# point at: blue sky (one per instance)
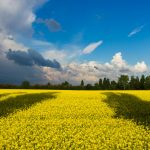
(82, 33)
(94, 20)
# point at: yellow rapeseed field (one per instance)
(53, 119)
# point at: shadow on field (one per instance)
(128, 106)
(20, 102)
(3, 95)
(7, 94)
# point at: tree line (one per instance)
(124, 82)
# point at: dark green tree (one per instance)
(113, 85)
(25, 84)
(137, 84)
(147, 83)
(65, 84)
(100, 84)
(82, 83)
(48, 85)
(96, 86)
(132, 83)
(142, 82)
(89, 87)
(123, 82)
(106, 84)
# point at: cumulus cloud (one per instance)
(17, 16)
(8, 42)
(118, 61)
(135, 31)
(16, 19)
(141, 67)
(33, 67)
(61, 55)
(31, 58)
(91, 47)
(92, 70)
(51, 24)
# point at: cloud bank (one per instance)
(17, 16)
(16, 19)
(30, 65)
(91, 71)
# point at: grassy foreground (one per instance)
(40, 119)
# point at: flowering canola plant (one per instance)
(69, 120)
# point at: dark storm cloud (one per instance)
(30, 58)
(11, 73)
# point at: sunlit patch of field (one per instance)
(53, 119)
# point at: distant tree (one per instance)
(25, 84)
(100, 83)
(123, 82)
(96, 86)
(142, 82)
(113, 85)
(48, 85)
(36, 86)
(88, 86)
(82, 83)
(137, 85)
(147, 83)
(132, 83)
(106, 84)
(65, 84)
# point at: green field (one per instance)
(51, 119)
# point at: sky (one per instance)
(53, 41)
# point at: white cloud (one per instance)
(73, 72)
(91, 71)
(118, 61)
(135, 31)
(141, 67)
(55, 54)
(64, 54)
(10, 43)
(17, 16)
(91, 47)
(41, 43)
